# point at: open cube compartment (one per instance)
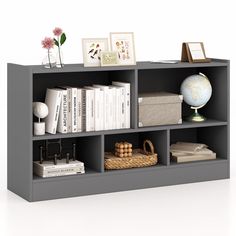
(158, 138)
(169, 80)
(74, 79)
(214, 137)
(91, 157)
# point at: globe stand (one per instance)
(196, 117)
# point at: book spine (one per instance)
(84, 110)
(96, 109)
(118, 108)
(74, 109)
(53, 101)
(106, 113)
(56, 167)
(101, 109)
(122, 104)
(62, 120)
(92, 110)
(88, 111)
(62, 170)
(110, 108)
(79, 110)
(127, 106)
(69, 120)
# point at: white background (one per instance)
(160, 27)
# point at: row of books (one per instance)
(91, 108)
(187, 152)
(48, 169)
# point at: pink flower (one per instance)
(47, 43)
(57, 31)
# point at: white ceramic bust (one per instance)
(40, 110)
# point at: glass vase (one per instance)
(59, 58)
(49, 61)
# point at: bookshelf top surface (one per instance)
(142, 65)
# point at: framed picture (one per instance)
(194, 52)
(92, 48)
(109, 58)
(123, 43)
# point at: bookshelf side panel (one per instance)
(19, 143)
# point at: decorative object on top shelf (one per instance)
(123, 149)
(139, 158)
(59, 41)
(124, 44)
(194, 52)
(92, 48)
(196, 91)
(40, 110)
(49, 61)
(109, 58)
(160, 108)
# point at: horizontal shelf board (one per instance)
(205, 162)
(83, 134)
(142, 65)
(124, 171)
(91, 173)
(78, 68)
(184, 125)
(153, 65)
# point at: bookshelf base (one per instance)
(74, 186)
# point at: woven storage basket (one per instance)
(140, 158)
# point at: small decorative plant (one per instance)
(59, 41)
(48, 43)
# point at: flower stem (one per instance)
(59, 51)
(49, 61)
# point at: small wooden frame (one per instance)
(193, 52)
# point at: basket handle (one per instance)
(150, 146)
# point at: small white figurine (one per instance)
(40, 110)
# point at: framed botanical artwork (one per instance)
(92, 48)
(123, 43)
(109, 58)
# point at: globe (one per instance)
(196, 91)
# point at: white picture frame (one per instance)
(123, 43)
(109, 58)
(92, 48)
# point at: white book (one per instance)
(112, 109)
(63, 114)
(59, 171)
(117, 107)
(88, 109)
(74, 109)
(97, 107)
(79, 109)
(106, 107)
(61, 164)
(59, 174)
(127, 101)
(53, 101)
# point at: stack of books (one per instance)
(91, 108)
(187, 152)
(49, 169)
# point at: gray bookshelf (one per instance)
(28, 83)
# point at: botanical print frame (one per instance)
(92, 48)
(123, 43)
(109, 58)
